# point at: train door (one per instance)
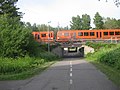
(98, 34)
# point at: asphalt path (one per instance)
(69, 74)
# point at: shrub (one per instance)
(16, 40)
(48, 56)
(99, 45)
(10, 65)
(111, 58)
(108, 54)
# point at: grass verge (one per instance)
(28, 73)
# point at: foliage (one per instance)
(15, 39)
(98, 21)
(34, 27)
(86, 22)
(111, 58)
(108, 54)
(107, 59)
(42, 27)
(118, 23)
(76, 23)
(83, 23)
(19, 53)
(9, 65)
(22, 68)
(111, 23)
(8, 7)
(99, 45)
(18, 65)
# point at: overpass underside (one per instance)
(72, 50)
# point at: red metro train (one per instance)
(77, 35)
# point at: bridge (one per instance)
(67, 74)
(72, 50)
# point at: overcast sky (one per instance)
(43, 11)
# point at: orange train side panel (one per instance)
(66, 35)
(43, 36)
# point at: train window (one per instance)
(66, 34)
(43, 35)
(85, 33)
(117, 33)
(105, 33)
(92, 33)
(111, 33)
(80, 33)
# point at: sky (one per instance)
(60, 12)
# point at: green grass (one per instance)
(22, 68)
(26, 74)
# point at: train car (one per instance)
(74, 35)
(63, 36)
(80, 35)
(44, 36)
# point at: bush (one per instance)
(18, 65)
(19, 52)
(16, 40)
(99, 45)
(108, 54)
(111, 58)
(10, 65)
(48, 56)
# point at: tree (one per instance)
(86, 22)
(111, 23)
(8, 7)
(16, 40)
(118, 23)
(66, 28)
(28, 25)
(98, 21)
(34, 27)
(76, 23)
(42, 27)
(83, 23)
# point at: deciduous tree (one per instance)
(86, 22)
(8, 7)
(76, 23)
(15, 39)
(111, 23)
(98, 21)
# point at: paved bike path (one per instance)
(69, 74)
